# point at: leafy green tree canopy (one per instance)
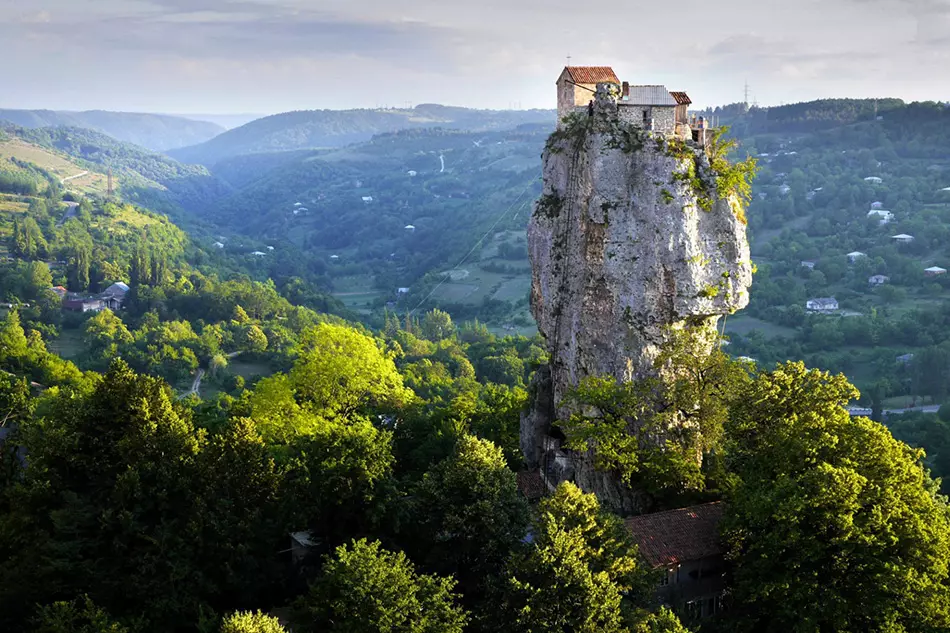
(582, 573)
(835, 525)
(251, 622)
(367, 589)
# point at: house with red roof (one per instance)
(685, 545)
(577, 85)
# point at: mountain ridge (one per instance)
(316, 129)
(157, 132)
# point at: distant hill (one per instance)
(335, 128)
(147, 178)
(806, 117)
(227, 121)
(157, 132)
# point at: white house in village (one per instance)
(884, 216)
(334, 257)
(822, 305)
(367, 199)
(412, 172)
(409, 227)
(218, 245)
(877, 205)
(874, 180)
(854, 256)
(903, 238)
(935, 271)
(258, 254)
(808, 263)
(877, 280)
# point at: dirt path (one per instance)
(68, 178)
(196, 385)
(70, 211)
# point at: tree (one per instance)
(653, 432)
(254, 339)
(106, 505)
(503, 369)
(238, 516)
(13, 343)
(79, 616)
(467, 514)
(77, 269)
(663, 621)
(366, 589)
(338, 476)
(437, 325)
(104, 335)
(251, 622)
(582, 573)
(835, 525)
(341, 370)
(217, 364)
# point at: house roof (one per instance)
(935, 269)
(671, 537)
(856, 254)
(591, 74)
(901, 236)
(823, 301)
(531, 485)
(681, 98)
(649, 95)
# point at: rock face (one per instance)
(629, 237)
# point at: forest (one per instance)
(233, 448)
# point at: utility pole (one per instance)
(746, 101)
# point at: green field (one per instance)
(68, 345)
(58, 165)
(740, 324)
(249, 370)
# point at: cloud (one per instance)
(218, 29)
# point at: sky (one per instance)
(268, 56)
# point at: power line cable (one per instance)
(447, 275)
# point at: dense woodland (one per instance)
(155, 460)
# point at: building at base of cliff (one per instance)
(684, 544)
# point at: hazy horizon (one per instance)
(232, 57)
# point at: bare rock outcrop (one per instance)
(630, 236)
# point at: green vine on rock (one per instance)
(731, 178)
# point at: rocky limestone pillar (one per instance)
(629, 237)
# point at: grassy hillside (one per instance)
(156, 132)
(336, 128)
(20, 156)
(147, 178)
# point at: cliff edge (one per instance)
(633, 233)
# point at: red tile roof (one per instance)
(531, 485)
(681, 98)
(667, 538)
(592, 74)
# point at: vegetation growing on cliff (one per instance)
(652, 432)
(732, 178)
